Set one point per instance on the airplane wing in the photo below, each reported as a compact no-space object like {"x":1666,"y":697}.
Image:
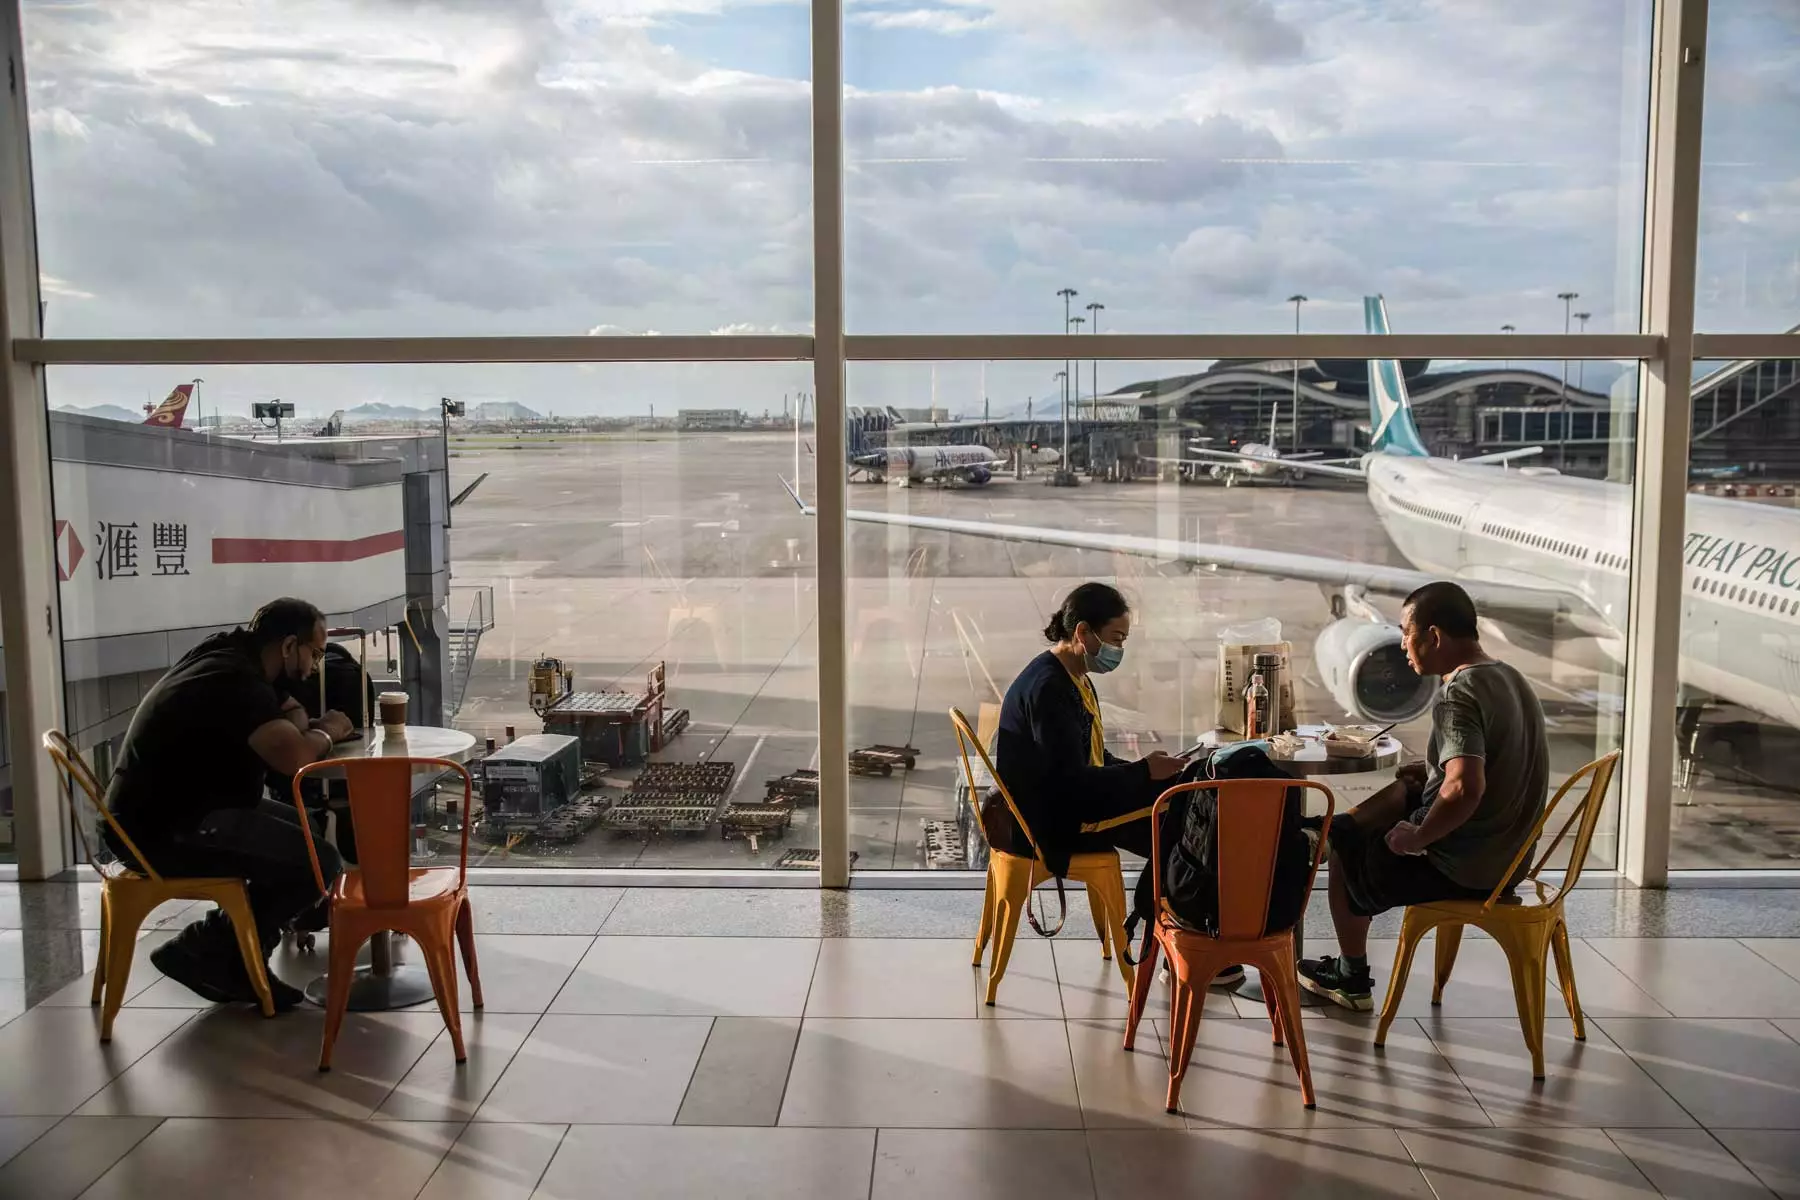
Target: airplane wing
{"x":1314,"y":468}
{"x":1500,"y":456}
{"x":959,"y":468}
{"x":1495,"y":599}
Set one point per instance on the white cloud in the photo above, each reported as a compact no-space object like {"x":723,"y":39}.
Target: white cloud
{"x":930,"y":20}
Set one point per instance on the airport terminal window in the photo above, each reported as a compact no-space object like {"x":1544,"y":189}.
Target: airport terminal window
{"x":623,"y":582}
{"x":262,"y":168}
{"x":1211,"y":160}
{"x":941,"y":615}
{"x":1737,"y":739}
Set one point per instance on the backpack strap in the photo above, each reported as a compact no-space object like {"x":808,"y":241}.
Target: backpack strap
{"x":1062,"y":904}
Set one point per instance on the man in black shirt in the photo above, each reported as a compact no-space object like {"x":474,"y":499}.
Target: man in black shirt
{"x":188,"y":788}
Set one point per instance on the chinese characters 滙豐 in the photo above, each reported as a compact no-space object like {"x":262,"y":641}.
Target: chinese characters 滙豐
{"x":119,"y":548}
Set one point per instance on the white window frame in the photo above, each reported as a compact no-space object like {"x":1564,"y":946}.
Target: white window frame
{"x":1665,"y":348}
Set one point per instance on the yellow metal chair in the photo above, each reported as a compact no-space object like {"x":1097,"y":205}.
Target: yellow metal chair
{"x":1011,"y":877}
{"x":127,"y":897}
{"x":1529,"y":927}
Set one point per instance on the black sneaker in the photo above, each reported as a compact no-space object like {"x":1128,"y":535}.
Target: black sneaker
{"x":1229,"y":978}
{"x":1334,"y":979}
{"x":198,"y":974}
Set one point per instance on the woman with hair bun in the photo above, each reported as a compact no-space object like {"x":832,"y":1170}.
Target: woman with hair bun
{"x":1051,"y":748}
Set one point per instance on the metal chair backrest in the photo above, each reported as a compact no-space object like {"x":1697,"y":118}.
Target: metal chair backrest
{"x":965,"y":739}
{"x":73,"y":772}
{"x":381,"y":792}
{"x":1248,"y":837}
{"x":1586,"y":812}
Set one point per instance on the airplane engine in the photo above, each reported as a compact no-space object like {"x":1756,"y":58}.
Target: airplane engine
{"x":978,"y":475}
{"x":1363,"y":664}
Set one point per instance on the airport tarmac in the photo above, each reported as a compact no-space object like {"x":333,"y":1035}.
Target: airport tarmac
{"x":615,"y":555}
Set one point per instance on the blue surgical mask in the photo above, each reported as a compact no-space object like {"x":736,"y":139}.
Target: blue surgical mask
{"x":1106,"y":658}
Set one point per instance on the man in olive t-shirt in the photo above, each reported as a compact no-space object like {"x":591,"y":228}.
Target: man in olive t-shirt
{"x":1448,"y":828}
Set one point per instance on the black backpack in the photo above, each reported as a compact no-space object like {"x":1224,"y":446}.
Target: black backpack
{"x":1189,"y":838}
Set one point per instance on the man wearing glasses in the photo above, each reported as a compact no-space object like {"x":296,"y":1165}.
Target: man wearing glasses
{"x":188,"y":788}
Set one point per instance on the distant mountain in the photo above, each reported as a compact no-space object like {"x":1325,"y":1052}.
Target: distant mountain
{"x":503,"y":410}
{"x":388,"y":412}
{"x":110,"y":412}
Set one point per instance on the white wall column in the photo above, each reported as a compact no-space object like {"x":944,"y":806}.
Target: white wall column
{"x":29,"y":617}
{"x":828,"y":416}
{"x":1665,"y":421}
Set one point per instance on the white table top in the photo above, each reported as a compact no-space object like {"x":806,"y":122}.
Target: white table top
{"x":421,"y":741}
{"x":1311,"y":758}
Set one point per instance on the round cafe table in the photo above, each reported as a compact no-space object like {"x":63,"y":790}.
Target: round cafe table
{"x":385,"y":984}
{"x":1351,"y":780}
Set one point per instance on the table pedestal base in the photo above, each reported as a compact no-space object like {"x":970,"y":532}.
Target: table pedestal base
{"x":401,"y":987}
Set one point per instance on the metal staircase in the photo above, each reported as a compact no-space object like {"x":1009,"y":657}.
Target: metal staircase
{"x":471,"y":615}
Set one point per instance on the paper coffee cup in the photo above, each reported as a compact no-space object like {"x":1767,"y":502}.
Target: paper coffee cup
{"x":392,"y":706}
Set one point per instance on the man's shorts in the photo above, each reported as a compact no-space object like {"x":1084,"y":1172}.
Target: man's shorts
{"x":1377,"y":879}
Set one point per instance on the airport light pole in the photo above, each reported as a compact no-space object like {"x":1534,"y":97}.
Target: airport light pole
{"x":1562,"y":442}
{"x":1509,"y":328}
{"x":1096,"y":308}
{"x":448,"y":408}
{"x":1075,"y":368}
{"x":1294,"y":418}
{"x":1067,"y":295}
{"x":1064,"y":376}
{"x":1581,"y":367}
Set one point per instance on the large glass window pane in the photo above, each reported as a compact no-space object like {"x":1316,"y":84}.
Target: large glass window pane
{"x":1735,"y":799}
{"x":212,"y":167}
{"x":597,"y":536}
{"x":1189,"y":491}
{"x":1749,"y":271}
{"x":8,"y":846}
{"x":1190,"y":166}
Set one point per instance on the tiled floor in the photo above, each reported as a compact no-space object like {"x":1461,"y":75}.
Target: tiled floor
{"x":695,"y":1043}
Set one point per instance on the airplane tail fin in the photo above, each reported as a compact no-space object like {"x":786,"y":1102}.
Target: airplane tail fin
{"x":1391,"y":427}
{"x":172,"y":410}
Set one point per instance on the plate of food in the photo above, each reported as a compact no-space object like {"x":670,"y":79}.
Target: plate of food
{"x":1352,"y":741}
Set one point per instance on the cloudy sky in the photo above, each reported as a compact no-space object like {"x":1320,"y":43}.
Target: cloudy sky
{"x":260,"y":167}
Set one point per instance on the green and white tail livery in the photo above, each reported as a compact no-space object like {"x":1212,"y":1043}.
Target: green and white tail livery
{"x":1391,"y":428}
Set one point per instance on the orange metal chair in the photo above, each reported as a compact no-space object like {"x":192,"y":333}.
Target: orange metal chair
{"x":1011,"y":878}
{"x":126,"y":897}
{"x":1529,"y":927}
{"x":385,"y":892}
{"x":1249,"y":833}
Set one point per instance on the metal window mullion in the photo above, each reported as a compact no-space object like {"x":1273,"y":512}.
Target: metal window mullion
{"x":1051,"y":347}
{"x":632,"y":348}
{"x":1665,"y":416}
{"x":29,"y":612}
{"x":831,"y":478}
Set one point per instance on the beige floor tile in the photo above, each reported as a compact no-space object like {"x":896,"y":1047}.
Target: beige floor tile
{"x":909,"y":977}
{"x":742,"y":1072}
{"x":495,"y":1162}
{"x":1704,"y":977}
{"x":1688,"y":1164}
{"x":1728,"y":1074}
{"x":981,"y":1164}
{"x":684,"y":1163}
{"x":52,"y":1060}
{"x":234,"y":1063}
{"x":1491,"y":1164}
{"x":1587,"y":1083}
{"x":1772,"y":1155}
{"x":1031,"y":987}
{"x":1093,"y":991}
{"x":144,"y":975}
{"x":692,"y":976}
{"x":277,"y":1160}
{"x":1605,"y":990}
{"x":63,"y":1163}
{"x":599,"y":1070}
{"x":521,"y":973}
{"x":16,"y":1133}
{"x":1480,"y":983}
{"x":438,"y":1088}
{"x":1245,"y":1164}
{"x":1121,"y":1089}
{"x":1238,"y":1077}
{"x":932,"y":1074}
{"x":1783,"y":952}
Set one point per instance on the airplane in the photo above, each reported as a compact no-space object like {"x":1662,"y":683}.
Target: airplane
{"x":1545,"y":556}
{"x":1257,"y":461}
{"x":173,"y":410}
{"x":917,"y":464}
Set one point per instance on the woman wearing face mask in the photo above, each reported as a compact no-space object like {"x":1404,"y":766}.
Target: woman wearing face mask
{"x":1051,"y":752}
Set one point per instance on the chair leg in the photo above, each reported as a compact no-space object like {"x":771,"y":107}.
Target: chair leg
{"x":465,"y":937}
{"x":1140,"y":988}
{"x":1287,"y":981}
{"x":1271,"y":997}
{"x":988,"y":905}
{"x":1565,"y":975}
{"x":1412,"y":929}
{"x":1449,"y":939}
{"x":1115,"y":915}
{"x":1013,"y":894}
{"x":441,"y":964}
{"x":105,"y":933}
{"x":127,"y":915}
{"x":341,"y":972}
{"x":1097,"y":905}
{"x":1527,"y":952}
{"x":237,"y":907}
{"x":1184,"y":1029}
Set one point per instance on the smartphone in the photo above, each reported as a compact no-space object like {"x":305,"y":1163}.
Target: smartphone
{"x":1194,"y":749}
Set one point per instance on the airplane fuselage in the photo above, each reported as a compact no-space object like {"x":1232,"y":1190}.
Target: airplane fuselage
{"x":1740,"y":612}
{"x":921,"y":464}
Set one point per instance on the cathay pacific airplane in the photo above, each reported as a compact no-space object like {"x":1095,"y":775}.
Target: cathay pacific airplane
{"x":1546,"y":557}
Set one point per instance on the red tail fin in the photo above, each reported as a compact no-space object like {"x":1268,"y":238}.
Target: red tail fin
{"x":172,"y":410}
